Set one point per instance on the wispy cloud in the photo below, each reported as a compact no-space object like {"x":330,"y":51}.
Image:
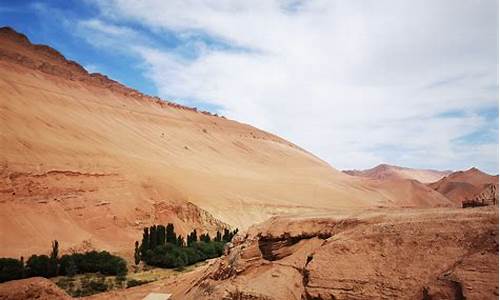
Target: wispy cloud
{"x":347,"y":80}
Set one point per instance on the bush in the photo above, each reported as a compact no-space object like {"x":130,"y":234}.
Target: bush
{"x":38,"y":265}
{"x":90,"y":287}
{"x":134,"y":282}
{"x":93,"y":262}
{"x":11,"y":269}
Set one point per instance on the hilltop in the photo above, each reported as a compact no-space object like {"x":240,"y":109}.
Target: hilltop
{"x":467,"y":185}
{"x":385,"y":171}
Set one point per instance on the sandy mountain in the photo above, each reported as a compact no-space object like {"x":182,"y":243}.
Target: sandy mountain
{"x":408,"y":193}
{"x":385,"y":171}
{"x":465,"y":185}
{"x":90,"y":162}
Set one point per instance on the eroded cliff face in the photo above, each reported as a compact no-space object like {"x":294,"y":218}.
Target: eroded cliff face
{"x":430,"y":254}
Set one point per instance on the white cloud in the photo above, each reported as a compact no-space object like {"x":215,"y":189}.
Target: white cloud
{"x":355,"y":82}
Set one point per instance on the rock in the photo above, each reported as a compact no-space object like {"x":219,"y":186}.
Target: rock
{"x":427,"y":254}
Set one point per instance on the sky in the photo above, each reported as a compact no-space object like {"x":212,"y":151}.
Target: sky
{"x":357,"y":83}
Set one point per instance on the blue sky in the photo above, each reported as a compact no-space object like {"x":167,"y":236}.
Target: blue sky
{"x":49,"y":22}
{"x":355,"y":82}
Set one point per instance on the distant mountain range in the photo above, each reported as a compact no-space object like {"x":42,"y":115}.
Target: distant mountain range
{"x":385,"y":171}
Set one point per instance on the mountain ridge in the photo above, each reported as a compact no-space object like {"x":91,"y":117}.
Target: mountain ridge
{"x":387,"y":171}
{"x":465,"y":185}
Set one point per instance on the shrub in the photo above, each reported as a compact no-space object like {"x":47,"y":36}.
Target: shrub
{"x":38,"y":265}
{"x":134,"y":282}
{"x":90,"y":287}
{"x":93,"y":262}
{"x":11,"y":269}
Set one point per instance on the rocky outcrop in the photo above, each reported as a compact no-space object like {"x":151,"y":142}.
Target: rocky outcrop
{"x":420,"y":254}
{"x":488,"y":196}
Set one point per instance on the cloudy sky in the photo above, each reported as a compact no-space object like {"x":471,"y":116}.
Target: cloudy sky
{"x":358,"y":83}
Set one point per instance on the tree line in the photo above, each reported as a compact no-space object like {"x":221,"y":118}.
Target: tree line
{"x":162,"y":247}
{"x":69,"y":264}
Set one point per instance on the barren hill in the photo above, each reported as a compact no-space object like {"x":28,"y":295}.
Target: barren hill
{"x":385,"y":171}
{"x":89,"y":162}
{"x":466,"y":185}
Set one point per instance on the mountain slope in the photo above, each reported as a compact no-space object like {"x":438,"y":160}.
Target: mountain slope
{"x":384,"y":171}
{"x":90,"y":162}
{"x":466,"y":185}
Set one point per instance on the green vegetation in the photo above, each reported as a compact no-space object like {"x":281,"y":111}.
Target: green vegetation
{"x":50,"y":266}
{"x":161,"y":247}
{"x":88,"y":284}
{"x":11,"y":269}
{"x":134,"y":282}
{"x":92,"y":262}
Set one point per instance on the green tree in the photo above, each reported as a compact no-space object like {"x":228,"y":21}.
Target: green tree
{"x":218,"y":237}
{"x":10,"y":269}
{"x":193,"y":237}
{"x":71,"y":269}
{"x":54,"y":255}
{"x":226,"y":237}
{"x":180,"y":241}
{"x":161,"y":234}
{"x":38,"y":265}
{"x":205,"y":238}
{"x":145,"y":242}
{"x":170,"y":235}
{"x":137,"y":254}
{"x":153,"y":237}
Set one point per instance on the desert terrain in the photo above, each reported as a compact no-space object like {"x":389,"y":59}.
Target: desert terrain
{"x":90,"y":162}
{"x":385,"y":171}
{"x":390,"y":254}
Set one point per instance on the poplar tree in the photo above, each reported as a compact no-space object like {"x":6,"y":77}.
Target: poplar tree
{"x":180,"y":241}
{"x":171,"y":238}
{"x":161,"y":235}
{"x":52,"y":268}
{"x":153,"y":237}
{"x":145,"y":242}
{"x":137,"y":254}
